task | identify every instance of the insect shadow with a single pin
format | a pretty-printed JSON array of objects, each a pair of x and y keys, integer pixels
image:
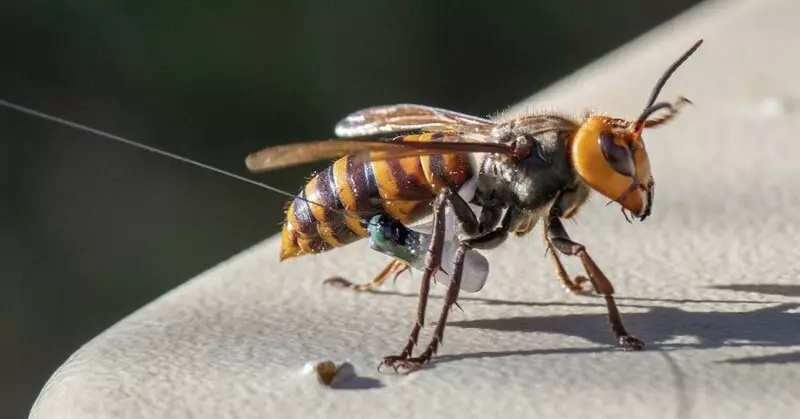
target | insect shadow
[
  {"x": 783, "y": 358},
  {"x": 771, "y": 326},
  {"x": 357, "y": 383},
  {"x": 786, "y": 290}
]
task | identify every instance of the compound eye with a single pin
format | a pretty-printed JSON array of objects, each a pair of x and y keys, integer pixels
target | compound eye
[{"x": 617, "y": 156}]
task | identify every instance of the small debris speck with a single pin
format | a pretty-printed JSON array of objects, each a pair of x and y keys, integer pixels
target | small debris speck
[{"x": 327, "y": 373}]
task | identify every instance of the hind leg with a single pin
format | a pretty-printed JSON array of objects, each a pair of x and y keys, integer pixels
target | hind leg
[{"x": 392, "y": 270}]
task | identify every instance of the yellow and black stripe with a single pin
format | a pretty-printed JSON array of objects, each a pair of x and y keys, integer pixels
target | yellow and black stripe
[{"x": 402, "y": 188}]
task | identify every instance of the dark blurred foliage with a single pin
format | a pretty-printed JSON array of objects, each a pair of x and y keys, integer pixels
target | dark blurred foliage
[{"x": 92, "y": 230}]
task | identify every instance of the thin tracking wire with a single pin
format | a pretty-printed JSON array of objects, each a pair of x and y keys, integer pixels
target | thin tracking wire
[{"x": 123, "y": 140}]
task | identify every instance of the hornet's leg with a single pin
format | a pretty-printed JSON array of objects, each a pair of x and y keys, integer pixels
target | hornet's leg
[
  {"x": 574, "y": 286},
  {"x": 467, "y": 223},
  {"x": 559, "y": 239},
  {"x": 449, "y": 300},
  {"x": 392, "y": 270},
  {"x": 487, "y": 240}
]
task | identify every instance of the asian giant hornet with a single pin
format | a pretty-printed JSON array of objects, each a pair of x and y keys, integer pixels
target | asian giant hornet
[
  {"x": 407, "y": 162},
  {"x": 400, "y": 164}
]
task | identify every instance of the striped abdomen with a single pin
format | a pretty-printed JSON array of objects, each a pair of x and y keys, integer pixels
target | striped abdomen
[{"x": 402, "y": 188}]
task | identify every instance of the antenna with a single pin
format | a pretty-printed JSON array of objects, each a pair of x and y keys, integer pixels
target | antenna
[
  {"x": 132, "y": 143},
  {"x": 651, "y": 106},
  {"x": 668, "y": 73}
]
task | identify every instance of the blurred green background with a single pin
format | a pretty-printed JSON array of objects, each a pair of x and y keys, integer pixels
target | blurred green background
[{"x": 92, "y": 230}]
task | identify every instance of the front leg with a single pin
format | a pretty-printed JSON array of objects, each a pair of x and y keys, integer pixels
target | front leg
[
  {"x": 574, "y": 286},
  {"x": 558, "y": 238}
]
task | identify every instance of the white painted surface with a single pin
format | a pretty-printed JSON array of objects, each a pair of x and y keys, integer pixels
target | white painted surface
[{"x": 709, "y": 282}]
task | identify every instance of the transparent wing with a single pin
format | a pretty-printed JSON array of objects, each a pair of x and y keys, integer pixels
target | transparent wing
[{"x": 408, "y": 117}]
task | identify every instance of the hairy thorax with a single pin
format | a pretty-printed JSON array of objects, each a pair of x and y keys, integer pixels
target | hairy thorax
[{"x": 527, "y": 187}]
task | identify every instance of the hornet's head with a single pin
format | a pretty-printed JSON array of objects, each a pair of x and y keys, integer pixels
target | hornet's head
[{"x": 609, "y": 153}]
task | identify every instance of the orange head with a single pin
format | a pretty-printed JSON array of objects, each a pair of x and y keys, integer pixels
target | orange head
[{"x": 609, "y": 154}]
